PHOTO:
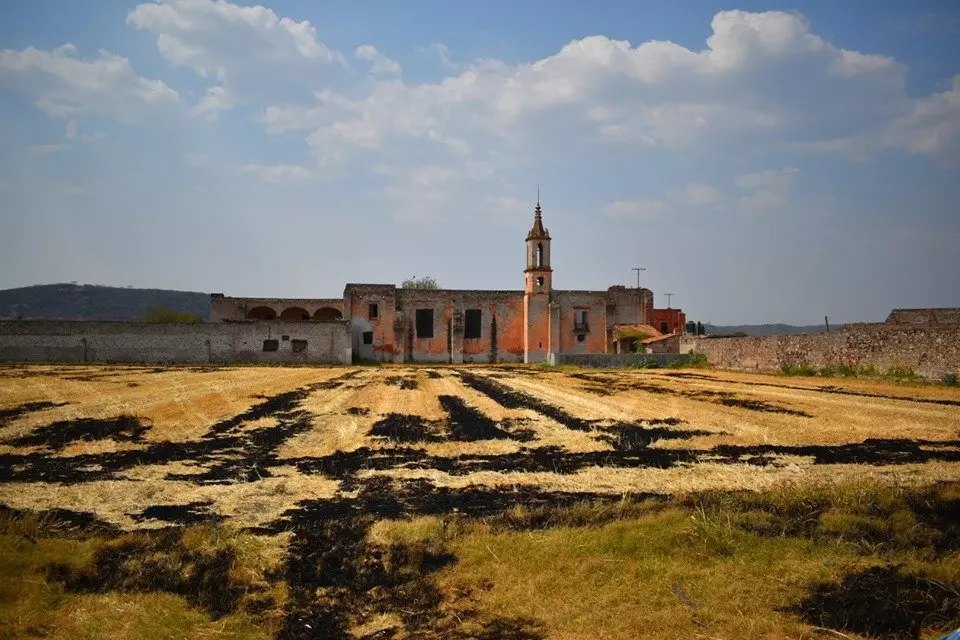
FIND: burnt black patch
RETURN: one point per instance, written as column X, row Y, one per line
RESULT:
column 433, row 375
column 636, row 436
column 882, row 602
column 181, row 514
column 604, row 385
column 402, row 382
column 358, row 411
column 345, row 465
column 512, row 399
column 334, row 383
column 158, row 561
column 467, row 424
column 12, row 413
column 759, row 405
column 401, row 427
column 339, row 579
column 63, row 522
column 61, row 433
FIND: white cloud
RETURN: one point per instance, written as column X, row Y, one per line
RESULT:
column 762, row 78
column 216, row 99
column 644, row 209
column 65, row 85
column 217, row 38
column 379, row 63
column 279, row 172
column 71, row 132
column 255, row 55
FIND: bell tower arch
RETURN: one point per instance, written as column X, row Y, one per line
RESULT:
column 538, row 311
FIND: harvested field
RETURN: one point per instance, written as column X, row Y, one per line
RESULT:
column 394, row 493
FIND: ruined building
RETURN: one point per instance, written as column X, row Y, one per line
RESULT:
column 392, row 324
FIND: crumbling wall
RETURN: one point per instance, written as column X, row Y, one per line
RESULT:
column 226, row 308
column 142, row 342
column 929, row 351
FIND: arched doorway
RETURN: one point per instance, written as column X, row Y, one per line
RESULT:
column 262, row 313
column 327, row 314
column 294, row 314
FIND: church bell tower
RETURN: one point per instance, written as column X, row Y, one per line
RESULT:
column 538, row 312
column 538, row 272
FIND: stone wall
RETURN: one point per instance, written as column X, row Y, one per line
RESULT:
column 614, row 359
column 929, row 351
column 140, row 342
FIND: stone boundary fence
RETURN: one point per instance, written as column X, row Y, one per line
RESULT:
column 158, row 343
column 615, row 359
column 929, row 351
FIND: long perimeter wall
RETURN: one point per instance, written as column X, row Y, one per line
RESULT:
column 929, row 351
column 141, row 342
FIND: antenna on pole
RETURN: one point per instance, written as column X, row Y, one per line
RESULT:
column 668, row 298
column 638, row 270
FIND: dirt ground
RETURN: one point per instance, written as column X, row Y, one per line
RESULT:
column 247, row 443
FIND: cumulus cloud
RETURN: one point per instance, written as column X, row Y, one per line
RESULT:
column 762, row 78
column 278, row 172
column 216, row 99
column 249, row 49
column 379, row 63
column 65, row 85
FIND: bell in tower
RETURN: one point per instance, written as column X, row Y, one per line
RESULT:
column 538, row 272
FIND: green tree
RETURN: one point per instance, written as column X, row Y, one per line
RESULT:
column 159, row 314
column 425, row 282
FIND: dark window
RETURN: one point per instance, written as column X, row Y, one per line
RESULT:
column 580, row 320
column 298, row 345
column 471, row 323
column 424, row 323
column 271, row 345
column 539, row 281
column 374, row 311
column 664, row 327
column 368, row 337
column 539, row 254
column 580, row 337
column 284, row 337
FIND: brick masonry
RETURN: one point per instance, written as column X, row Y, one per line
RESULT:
column 141, row 342
column 931, row 351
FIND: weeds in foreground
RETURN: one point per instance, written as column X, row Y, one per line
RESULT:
column 950, row 379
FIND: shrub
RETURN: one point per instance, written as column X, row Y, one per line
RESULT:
column 900, row 372
column 696, row 359
column 950, row 379
column 801, row 369
column 159, row 314
column 827, row 372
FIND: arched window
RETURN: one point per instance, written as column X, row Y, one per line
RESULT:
column 539, row 262
column 262, row 313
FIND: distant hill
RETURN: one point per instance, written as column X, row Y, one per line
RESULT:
column 94, row 302
column 766, row 329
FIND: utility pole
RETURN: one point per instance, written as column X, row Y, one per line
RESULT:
column 640, row 293
column 638, row 270
column 668, row 299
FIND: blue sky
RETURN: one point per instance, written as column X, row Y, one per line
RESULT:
column 771, row 162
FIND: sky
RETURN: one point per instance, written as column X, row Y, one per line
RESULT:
column 775, row 162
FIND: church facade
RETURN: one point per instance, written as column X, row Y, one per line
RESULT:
column 392, row 324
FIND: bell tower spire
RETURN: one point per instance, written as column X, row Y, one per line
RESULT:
column 538, row 272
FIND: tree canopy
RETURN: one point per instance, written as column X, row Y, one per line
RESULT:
column 424, row 282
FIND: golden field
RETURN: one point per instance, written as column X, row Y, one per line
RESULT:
column 516, row 502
